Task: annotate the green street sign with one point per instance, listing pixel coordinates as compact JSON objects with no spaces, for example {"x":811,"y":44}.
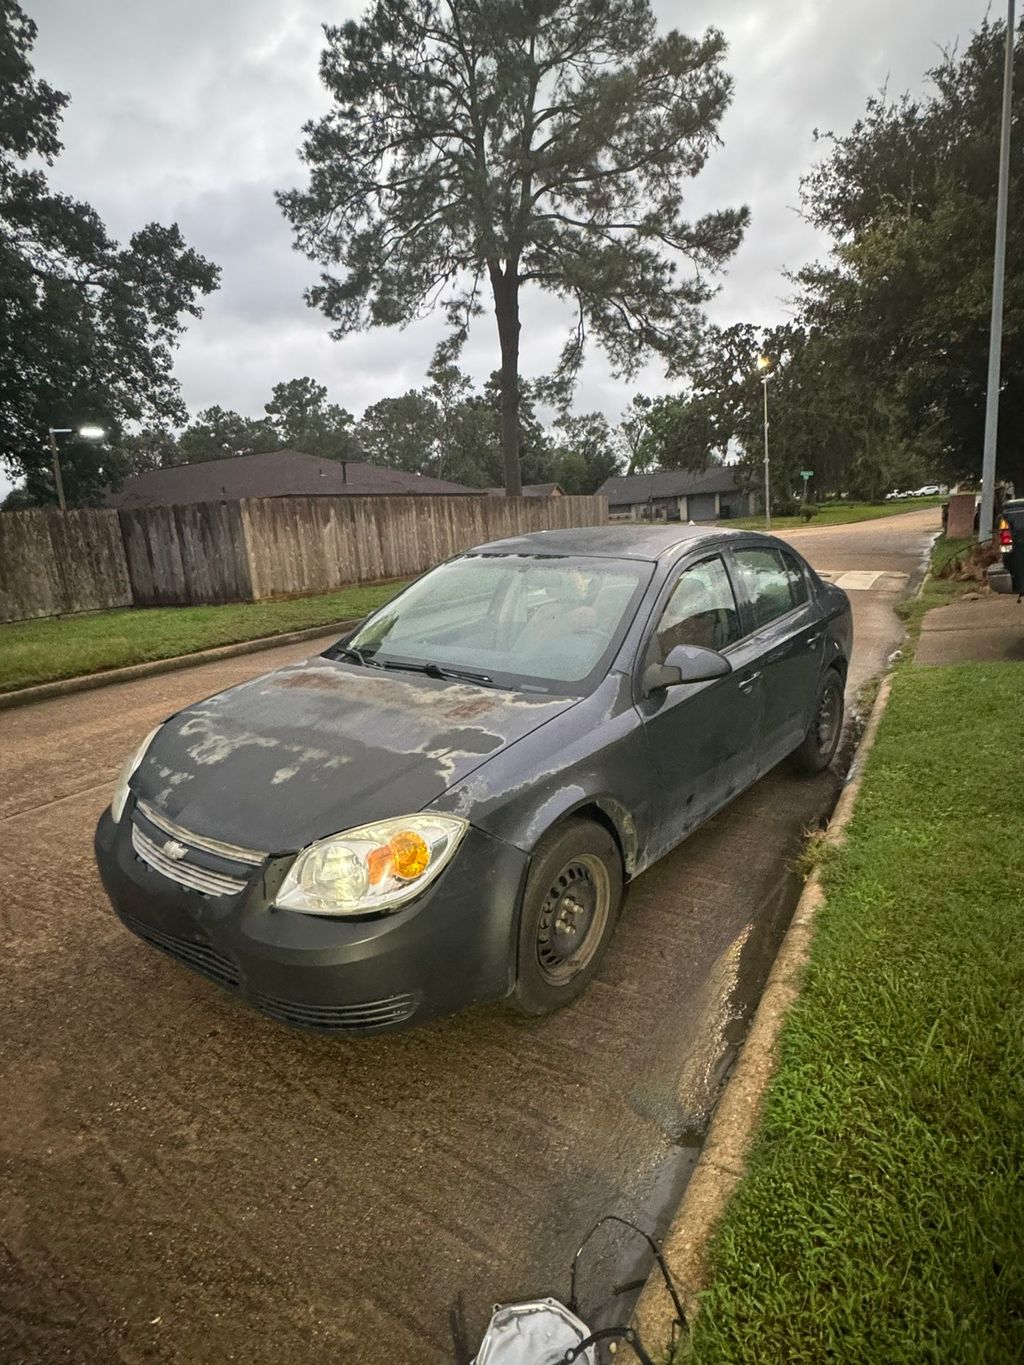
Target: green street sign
{"x":807,"y":473}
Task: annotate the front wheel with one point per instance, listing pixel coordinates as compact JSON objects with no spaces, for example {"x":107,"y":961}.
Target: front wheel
{"x":819,"y":745}
{"x":572,"y":901}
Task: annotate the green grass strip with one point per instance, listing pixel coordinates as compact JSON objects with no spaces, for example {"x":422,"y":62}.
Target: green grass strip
{"x":882,"y":1219}
{"x":68,"y":646}
{"x":835,"y":514}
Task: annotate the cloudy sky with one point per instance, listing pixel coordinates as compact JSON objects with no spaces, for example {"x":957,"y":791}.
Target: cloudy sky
{"x":191,"y":111}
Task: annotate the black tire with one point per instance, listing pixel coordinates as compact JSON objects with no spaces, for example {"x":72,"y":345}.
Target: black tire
{"x":819,"y":745}
{"x":570,"y":908}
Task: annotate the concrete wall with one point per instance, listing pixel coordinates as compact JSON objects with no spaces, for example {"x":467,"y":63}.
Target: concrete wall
{"x":244,"y":551}
{"x":52,"y":564}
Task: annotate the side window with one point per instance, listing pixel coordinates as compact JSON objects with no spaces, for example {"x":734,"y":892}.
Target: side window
{"x":701,"y":611}
{"x":797,"y":580}
{"x":765,"y":582}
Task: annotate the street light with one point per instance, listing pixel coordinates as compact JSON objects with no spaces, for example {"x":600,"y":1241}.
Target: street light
{"x":995,"y":336}
{"x":764,"y":364}
{"x":88,"y":432}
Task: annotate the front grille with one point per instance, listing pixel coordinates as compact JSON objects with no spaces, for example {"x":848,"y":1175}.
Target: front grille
{"x":185,"y":873}
{"x":190,"y":951}
{"x":231,"y":851}
{"x":372,"y":1014}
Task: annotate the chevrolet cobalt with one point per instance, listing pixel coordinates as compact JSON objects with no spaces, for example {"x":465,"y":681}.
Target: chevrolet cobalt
{"x":445,"y":806}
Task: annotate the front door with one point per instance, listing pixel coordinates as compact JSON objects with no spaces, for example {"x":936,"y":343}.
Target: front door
{"x":791,"y":636}
{"x":701,"y":738}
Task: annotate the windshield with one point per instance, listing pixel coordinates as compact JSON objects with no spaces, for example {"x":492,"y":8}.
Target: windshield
{"x":547,"y":621}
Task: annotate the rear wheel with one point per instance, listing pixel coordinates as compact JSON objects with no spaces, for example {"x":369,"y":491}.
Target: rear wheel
{"x":820,"y":743}
{"x":572,"y":901}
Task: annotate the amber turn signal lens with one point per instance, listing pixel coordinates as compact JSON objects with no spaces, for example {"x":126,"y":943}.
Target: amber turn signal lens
{"x":406,"y":856}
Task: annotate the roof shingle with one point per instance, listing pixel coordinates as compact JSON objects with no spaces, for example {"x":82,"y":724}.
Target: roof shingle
{"x":279,"y":473}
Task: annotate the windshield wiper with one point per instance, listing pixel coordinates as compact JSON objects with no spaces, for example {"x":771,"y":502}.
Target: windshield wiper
{"x":350,"y":652}
{"x":433,"y":670}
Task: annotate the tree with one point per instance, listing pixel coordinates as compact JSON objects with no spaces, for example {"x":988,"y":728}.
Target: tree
{"x":151,"y":448}
{"x":506,"y":143}
{"x":304,"y":420}
{"x":218,"y":434}
{"x":87,"y":327}
{"x":908,"y":195}
{"x":586,"y":454}
{"x":402,"y":432}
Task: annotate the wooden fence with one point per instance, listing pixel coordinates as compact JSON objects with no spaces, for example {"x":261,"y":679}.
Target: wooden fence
{"x":308,"y":545}
{"x":246,"y":551}
{"x":187,"y":553}
{"x":53,"y":563}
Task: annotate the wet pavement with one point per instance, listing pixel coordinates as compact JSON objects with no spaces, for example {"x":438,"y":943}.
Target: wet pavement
{"x":183,"y":1180}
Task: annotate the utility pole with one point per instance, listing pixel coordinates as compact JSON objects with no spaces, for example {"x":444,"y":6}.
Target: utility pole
{"x":995,"y":340}
{"x":89,"y":432}
{"x":764,"y":364}
{"x":767,"y":474}
{"x":56,"y":466}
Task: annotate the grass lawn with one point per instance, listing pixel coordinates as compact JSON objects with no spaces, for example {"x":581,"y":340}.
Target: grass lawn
{"x":66,"y":646}
{"x":882,"y":1218}
{"x":836,"y":514}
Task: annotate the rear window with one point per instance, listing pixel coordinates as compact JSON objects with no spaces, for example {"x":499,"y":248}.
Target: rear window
{"x":766,"y":582}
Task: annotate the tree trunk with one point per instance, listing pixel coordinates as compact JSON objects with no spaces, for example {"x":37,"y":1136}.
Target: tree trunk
{"x":506,"y":310}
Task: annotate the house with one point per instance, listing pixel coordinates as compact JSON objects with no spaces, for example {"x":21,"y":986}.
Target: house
{"x":531,"y":490}
{"x":277,"y":474}
{"x":679,"y":495}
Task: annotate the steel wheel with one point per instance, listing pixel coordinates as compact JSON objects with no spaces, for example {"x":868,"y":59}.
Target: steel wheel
{"x":572,"y":919}
{"x":571,"y":902}
{"x":830,"y":716}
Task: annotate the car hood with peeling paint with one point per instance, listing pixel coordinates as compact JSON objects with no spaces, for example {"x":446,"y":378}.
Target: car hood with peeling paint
{"x":322,"y":746}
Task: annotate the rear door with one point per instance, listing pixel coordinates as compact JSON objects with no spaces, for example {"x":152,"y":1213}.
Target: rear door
{"x":790,"y":634}
{"x":701,"y":738}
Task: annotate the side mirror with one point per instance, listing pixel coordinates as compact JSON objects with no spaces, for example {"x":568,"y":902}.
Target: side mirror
{"x":685,"y":664}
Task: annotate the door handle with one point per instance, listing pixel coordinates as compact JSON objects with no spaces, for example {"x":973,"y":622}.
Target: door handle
{"x":814,"y":640}
{"x":745,"y":684}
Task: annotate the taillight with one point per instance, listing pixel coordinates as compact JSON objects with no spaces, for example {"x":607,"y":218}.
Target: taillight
{"x":1005,"y":535}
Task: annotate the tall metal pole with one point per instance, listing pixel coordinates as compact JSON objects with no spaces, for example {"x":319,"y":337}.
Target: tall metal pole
{"x":56,"y":472}
{"x":995,"y":339}
{"x":767,"y":479}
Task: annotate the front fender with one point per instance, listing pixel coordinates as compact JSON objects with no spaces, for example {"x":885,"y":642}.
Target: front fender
{"x":594,"y":755}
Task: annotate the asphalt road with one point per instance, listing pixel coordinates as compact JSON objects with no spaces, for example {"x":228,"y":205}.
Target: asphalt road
{"x":184,"y":1181}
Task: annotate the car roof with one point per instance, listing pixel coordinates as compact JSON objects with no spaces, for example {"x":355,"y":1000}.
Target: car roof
{"x":609,"y":542}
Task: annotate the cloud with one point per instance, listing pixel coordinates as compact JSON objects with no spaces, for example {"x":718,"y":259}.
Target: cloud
{"x":193,"y":112}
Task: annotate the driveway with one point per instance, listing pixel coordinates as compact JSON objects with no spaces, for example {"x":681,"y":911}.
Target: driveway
{"x":182,"y":1180}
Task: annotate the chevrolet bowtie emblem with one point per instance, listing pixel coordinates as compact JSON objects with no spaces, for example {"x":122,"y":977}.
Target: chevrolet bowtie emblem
{"x":175,"y":850}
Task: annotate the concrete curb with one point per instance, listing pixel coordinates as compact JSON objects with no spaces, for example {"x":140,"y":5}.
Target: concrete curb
{"x":722,"y":1162}
{"x":64,"y":687}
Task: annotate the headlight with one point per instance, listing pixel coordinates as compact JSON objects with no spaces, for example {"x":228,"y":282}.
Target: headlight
{"x":121,"y":790}
{"x":373,"y":868}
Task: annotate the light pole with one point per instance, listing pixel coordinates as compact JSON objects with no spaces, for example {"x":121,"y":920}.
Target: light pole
{"x":764,"y":364}
{"x":995,"y":337}
{"x":88,"y":433}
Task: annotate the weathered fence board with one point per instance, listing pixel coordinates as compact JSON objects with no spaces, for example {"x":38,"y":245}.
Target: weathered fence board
{"x":54,"y":563}
{"x":244,"y":551}
{"x":310,"y":545}
{"x":186,"y":554}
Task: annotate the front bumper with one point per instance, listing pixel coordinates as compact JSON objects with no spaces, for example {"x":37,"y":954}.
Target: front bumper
{"x":451,"y":947}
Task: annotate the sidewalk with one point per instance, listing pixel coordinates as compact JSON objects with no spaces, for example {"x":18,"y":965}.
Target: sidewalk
{"x":984,"y":628}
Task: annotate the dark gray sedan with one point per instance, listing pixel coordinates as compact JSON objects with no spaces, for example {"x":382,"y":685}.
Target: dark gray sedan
{"x":446,"y":806}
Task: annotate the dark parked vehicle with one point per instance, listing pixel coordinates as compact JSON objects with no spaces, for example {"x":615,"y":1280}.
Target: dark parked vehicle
{"x":445,"y":806}
{"x":1008,"y":574}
